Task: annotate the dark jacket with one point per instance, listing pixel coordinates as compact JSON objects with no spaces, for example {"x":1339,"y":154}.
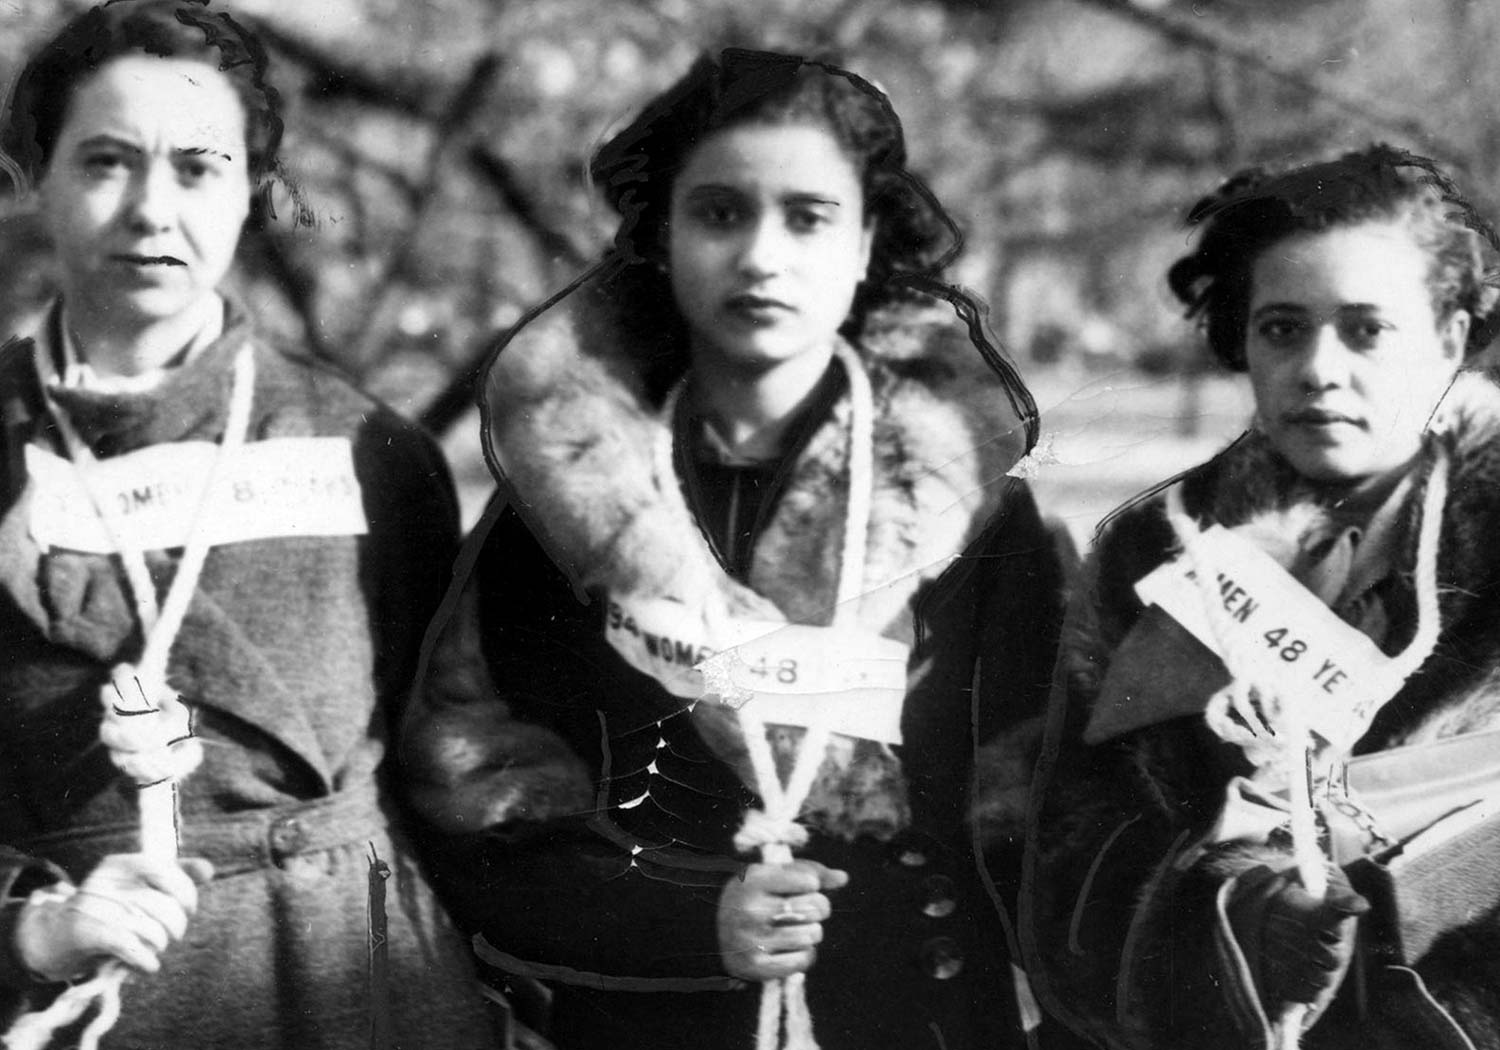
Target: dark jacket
{"x":1125,"y":932}
{"x":296,"y":656}
{"x":617,"y":900}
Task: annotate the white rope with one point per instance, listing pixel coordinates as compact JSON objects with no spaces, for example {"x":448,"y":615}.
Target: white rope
{"x":157,"y":795}
{"x":1290,"y":735}
{"x":773,"y":830}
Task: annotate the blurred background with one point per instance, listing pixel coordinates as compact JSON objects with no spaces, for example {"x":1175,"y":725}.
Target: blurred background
{"x":439,"y":150}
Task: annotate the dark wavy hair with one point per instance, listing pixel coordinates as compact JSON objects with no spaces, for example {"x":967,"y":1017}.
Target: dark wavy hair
{"x":914,"y":241}
{"x":1256,"y":209}
{"x":167,"y":28}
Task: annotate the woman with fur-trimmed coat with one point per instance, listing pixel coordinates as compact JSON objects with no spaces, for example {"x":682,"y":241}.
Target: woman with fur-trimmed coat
{"x":1167,"y":902}
{"x":737,"y":488}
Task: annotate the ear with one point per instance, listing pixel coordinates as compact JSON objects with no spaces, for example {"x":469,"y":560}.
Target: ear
{"x":1455,"y":336}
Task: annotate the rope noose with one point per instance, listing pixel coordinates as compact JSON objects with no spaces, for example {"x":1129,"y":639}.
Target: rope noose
{"x":167,"y":750}
{"x":1292,"y":736}
{"x":773,"y":829}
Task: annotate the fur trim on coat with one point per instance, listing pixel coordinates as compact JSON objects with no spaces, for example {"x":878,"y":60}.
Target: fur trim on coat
{"x":572,"y":429}
{"x":1120,"y":909}
{"x":574,"y":432}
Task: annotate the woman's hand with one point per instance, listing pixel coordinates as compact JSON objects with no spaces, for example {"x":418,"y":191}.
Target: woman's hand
{"x":771,"y":919}
{"x":1298,"y":947}
{"x":130,"y":908}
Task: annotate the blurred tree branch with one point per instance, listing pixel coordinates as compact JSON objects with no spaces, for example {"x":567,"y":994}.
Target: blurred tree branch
{"x":1178,"y":29}
{"x":465,"y":103}
{"x":555,"y":244}
{"x":335,"y":78}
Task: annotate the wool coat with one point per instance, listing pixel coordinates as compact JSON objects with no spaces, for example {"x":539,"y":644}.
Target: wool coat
{"x":296,"y":656}
{"x":1122,"y":914}
{"x":612,"y":895}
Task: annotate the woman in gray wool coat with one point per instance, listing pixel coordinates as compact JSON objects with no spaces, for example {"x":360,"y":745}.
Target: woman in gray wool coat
{"x":170,"y":484}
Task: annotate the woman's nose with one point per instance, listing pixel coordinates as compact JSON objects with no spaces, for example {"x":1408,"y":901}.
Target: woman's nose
{"x":1325,"y":359}
{"x":763,"y":251}
{"x":152,"y":203}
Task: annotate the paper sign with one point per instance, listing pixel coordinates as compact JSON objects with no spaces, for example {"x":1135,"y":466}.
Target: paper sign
{"x":856,"y":678}
{"x":1340,"y":676}
{"x":268,"y":489}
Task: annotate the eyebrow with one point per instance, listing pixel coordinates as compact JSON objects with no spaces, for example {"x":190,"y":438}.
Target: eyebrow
{"x":812,"y":198}
{"x":108,"y":139}
{"x":201,"y":151}
{"x":796,"y":196}
{"x":1299,"y":308}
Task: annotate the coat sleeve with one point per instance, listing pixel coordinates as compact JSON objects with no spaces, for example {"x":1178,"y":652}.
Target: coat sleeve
{"x":19,"y":875}
{"x":413,"y":520}
{"x":1122,"y":918}
{"x":498,"y":755}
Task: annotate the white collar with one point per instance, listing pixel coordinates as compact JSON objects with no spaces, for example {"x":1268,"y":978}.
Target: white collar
{"x":78,"y":374}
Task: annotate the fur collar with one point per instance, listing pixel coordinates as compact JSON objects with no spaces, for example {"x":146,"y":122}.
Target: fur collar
{"x":571,"y":428}
{"x":1250,"y":488}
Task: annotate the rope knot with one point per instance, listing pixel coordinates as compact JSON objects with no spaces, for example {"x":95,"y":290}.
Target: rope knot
{"x":761,"y":830}
{"x":147,"y":728}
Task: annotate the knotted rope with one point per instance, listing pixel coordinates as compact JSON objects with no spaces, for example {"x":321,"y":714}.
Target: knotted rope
{"x":1233,"y":715}
{"x":773,"y":829}
{"x":152,"y":744}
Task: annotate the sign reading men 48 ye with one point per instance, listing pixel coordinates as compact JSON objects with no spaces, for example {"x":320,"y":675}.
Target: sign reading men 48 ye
{"x":1333,"y":670}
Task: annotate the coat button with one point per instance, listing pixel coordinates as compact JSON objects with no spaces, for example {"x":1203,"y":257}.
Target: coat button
{"x":287,"y":837}
{"x":942,"y":958}
{"x":939,"y":900}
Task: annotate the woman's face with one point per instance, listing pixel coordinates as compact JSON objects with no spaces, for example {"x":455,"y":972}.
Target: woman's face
{"x":147,"y":188}
{"x":1346,"y":356}
{"x":767,"y":242}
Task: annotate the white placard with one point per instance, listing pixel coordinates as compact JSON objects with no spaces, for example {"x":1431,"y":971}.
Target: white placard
{"x":268,"y":489}
{"x":855,"y":678}
{"x":1341,"y":677}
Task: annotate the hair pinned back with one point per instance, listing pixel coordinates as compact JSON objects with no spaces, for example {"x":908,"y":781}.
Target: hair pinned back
{"x":1256,"y":209}
{"x":165,"y":28}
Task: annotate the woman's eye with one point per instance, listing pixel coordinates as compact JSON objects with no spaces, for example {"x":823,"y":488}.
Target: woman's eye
{"x":1281,"y":331}
{"x":1364,"y":333}
{"x":806,"y":220}
{"x":104,"y":165}
{"x":720,"y":214}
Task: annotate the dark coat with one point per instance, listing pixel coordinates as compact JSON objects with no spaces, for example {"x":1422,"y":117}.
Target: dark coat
{"x":296,"y":656}
{"x":617,"y":901}
{"x":1120,"y":919}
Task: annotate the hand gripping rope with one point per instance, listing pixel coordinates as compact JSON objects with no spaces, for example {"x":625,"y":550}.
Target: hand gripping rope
{"x":146,"y":726}
{"x":773,"y":829}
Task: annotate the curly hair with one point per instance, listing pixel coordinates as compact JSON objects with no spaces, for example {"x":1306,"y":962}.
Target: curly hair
{"x":914,"y":237}
{"x":635,"y":169}
{"x":167,"y":28}
{"x":1256,"y":209}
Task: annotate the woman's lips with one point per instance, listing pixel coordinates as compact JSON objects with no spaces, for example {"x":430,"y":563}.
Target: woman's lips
{"x":133,"y":259}
{"x":1320,"y":417}
{"x":757,"y":309}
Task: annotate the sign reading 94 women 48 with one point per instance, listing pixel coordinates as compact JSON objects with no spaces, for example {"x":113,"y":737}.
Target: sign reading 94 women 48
{"x":1295,"y":643}
{"x":849,"y":679}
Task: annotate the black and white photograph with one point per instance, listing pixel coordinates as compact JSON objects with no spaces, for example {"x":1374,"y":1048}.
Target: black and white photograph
{"x":814,"y":525}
